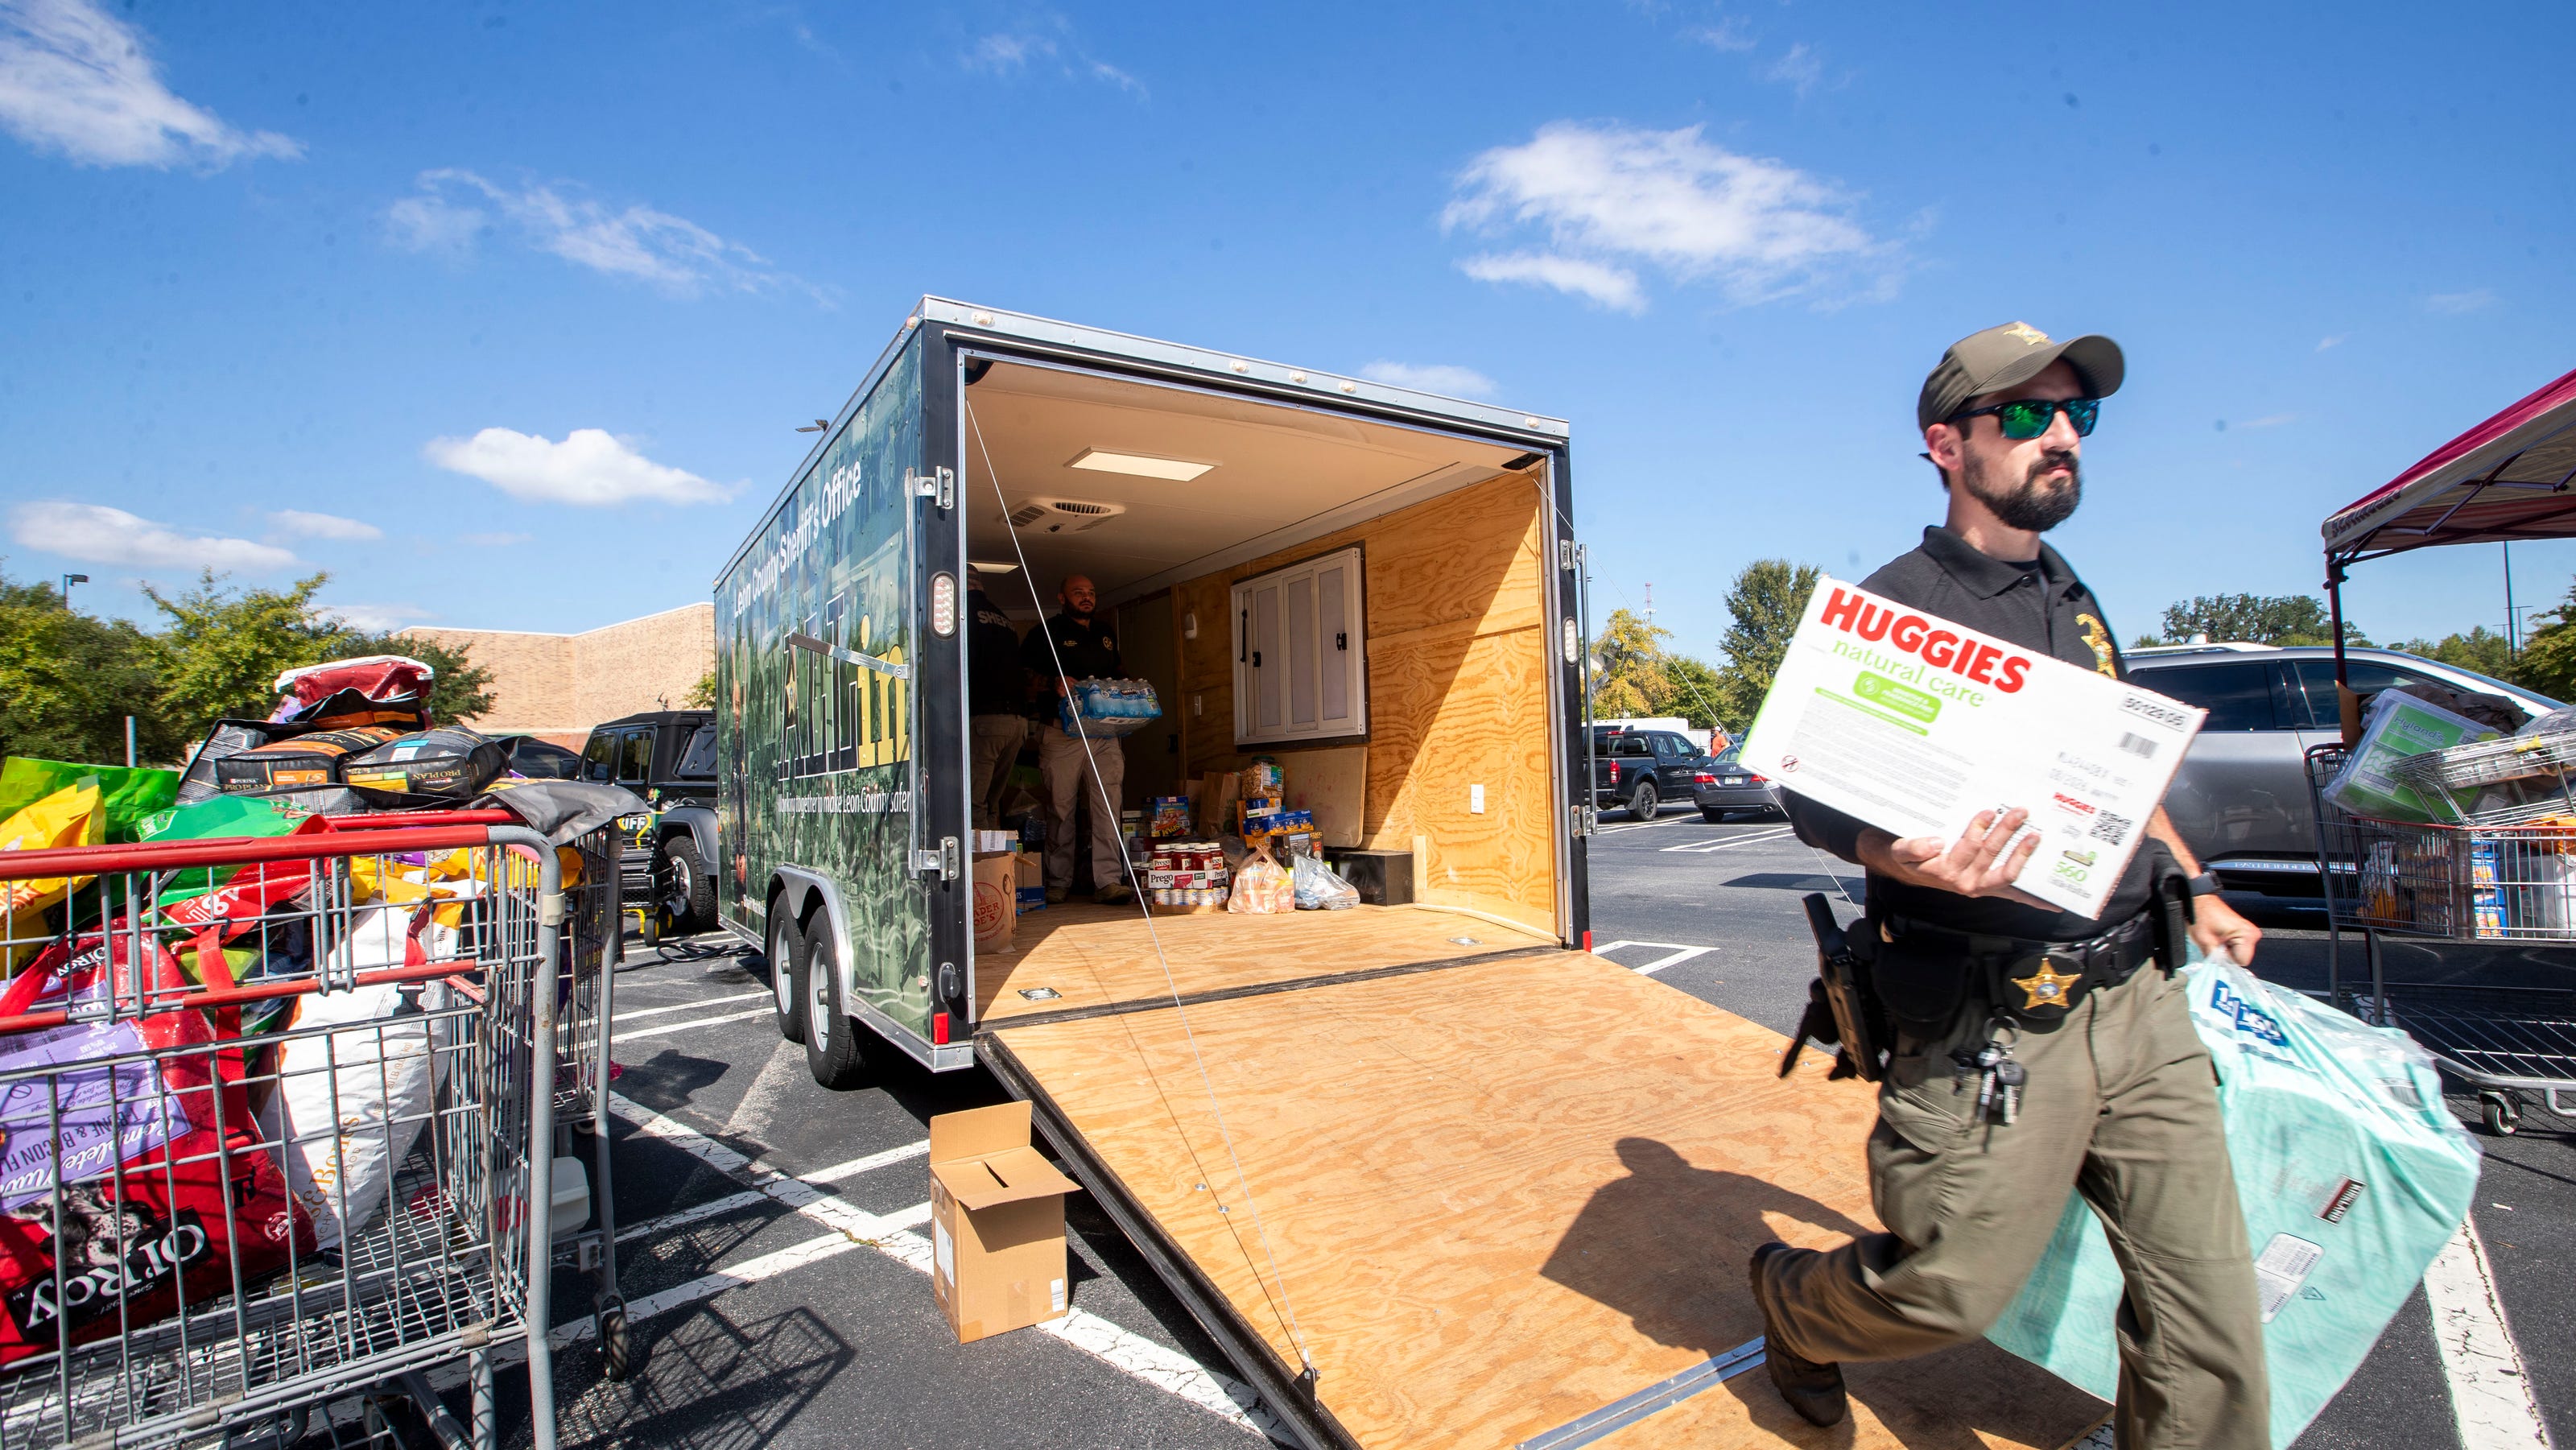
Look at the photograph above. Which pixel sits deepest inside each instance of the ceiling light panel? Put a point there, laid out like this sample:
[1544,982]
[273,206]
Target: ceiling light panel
[1138,465]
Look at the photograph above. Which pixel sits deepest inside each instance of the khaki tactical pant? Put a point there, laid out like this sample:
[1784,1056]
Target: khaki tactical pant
[1069,782]
[995,742]
[2121,1105]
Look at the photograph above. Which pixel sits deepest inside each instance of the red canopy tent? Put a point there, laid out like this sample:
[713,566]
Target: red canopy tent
[2511,477]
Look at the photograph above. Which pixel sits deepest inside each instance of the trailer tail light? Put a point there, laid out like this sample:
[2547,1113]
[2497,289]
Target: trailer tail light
[943,604]
[939,1028]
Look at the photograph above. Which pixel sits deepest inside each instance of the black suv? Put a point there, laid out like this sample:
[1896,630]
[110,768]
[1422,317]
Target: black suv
[1641,769]
[669,758]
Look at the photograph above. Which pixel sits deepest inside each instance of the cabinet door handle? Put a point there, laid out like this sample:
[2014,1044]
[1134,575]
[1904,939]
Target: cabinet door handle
[1242,635]
[1342,641]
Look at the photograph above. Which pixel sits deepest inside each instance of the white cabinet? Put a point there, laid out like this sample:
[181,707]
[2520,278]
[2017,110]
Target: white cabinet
[1300,658]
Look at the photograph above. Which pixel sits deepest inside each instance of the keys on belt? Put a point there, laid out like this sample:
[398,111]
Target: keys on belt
[1999,1080]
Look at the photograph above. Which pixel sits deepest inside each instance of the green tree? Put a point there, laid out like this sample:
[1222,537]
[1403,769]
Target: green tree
[2256,619]
[68,680]
[1691,690]
[702,695]
[2548,660]
[1628,664]
[1766,601]
[221,649]
[2481,649]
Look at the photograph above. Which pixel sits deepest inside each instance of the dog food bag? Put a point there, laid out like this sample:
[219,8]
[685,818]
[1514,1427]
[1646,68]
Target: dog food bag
[448,766]
[85,1248]
[125,794]
[313,759]
[68,817]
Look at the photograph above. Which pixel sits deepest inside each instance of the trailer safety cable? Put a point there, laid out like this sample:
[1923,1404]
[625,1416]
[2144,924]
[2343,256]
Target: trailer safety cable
[1286,1303]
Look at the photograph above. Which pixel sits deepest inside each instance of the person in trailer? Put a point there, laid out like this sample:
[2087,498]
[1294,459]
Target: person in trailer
[997,715]
[1077,644]
[2033,1048]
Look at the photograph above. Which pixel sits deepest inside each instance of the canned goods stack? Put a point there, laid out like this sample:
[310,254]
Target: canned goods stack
[1187,874]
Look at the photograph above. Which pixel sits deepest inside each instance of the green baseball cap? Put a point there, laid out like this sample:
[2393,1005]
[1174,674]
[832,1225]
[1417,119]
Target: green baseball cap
[2001,357]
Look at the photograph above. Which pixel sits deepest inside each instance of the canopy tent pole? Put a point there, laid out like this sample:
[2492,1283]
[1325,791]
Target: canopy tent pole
[2347,705]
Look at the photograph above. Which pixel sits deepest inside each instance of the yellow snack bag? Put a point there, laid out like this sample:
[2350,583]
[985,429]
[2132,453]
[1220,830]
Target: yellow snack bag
[68,817]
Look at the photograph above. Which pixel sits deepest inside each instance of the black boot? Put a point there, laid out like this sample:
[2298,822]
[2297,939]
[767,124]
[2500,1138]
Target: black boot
[1814,1390]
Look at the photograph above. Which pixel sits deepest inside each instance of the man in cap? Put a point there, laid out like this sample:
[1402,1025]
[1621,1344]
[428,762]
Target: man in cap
[2116,1096]
[1077,644]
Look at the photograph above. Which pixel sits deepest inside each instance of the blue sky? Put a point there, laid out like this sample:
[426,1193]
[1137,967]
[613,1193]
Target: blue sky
[505,314]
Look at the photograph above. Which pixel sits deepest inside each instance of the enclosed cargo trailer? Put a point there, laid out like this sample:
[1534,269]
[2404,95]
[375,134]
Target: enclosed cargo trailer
[1431,1173]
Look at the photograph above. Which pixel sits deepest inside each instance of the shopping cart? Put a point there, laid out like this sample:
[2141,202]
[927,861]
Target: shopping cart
[277,1129]
[2476,882]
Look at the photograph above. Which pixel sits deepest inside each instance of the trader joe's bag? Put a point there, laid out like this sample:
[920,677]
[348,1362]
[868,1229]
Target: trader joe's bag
[196,1193]
[2351,1173]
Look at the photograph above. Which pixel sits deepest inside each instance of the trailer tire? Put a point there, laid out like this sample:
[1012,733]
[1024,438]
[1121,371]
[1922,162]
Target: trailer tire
[1643,803]
[787,952]
[835,1043]
[690,882]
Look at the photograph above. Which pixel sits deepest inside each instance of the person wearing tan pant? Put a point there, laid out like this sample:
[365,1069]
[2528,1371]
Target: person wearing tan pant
[2037,1052]
[1077,644]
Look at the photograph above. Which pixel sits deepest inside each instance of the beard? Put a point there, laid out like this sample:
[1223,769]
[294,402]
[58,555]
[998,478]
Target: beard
[2032,504]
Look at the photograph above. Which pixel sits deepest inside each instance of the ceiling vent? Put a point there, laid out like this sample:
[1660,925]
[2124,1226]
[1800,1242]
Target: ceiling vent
[1064,515]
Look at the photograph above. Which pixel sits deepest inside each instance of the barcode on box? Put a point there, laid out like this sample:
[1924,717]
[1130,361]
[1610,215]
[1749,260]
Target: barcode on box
[2138,745]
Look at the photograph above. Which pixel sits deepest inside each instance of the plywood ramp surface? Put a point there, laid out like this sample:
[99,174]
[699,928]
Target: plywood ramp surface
[1504,1194]
[1093,956]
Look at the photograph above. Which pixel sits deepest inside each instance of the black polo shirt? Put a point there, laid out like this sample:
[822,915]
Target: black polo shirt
[2040,606]
[1088,648]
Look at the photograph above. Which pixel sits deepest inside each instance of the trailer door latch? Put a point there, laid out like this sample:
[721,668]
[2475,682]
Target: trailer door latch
[944,862]
[1569,554]
[938,483]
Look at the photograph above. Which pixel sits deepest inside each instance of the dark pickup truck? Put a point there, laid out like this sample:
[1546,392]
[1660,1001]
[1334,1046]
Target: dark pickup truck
[1640,770]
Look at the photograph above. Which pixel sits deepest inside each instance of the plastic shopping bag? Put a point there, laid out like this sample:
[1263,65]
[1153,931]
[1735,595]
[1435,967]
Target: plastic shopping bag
[1260,888]
[351,1100]
[1319,887]
[2351,1173]
[125,1156]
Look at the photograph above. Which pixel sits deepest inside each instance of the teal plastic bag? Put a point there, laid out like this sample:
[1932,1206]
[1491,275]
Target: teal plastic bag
[2351,1172]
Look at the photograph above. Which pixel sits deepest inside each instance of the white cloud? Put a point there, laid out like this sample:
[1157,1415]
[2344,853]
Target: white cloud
[589,467]
[1455,382]
[77,80]
[1103,70]
[1800,69]
[449,213]
[97,534]
[1007,54]
[1606,195]
[495,541]
[376,618]
[322,526]
[1610,286]
[1731,35]
[2453,304]
[2338,340]
[1048,42]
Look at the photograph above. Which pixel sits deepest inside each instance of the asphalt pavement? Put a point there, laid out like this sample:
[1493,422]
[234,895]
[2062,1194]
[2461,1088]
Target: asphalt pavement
[774,1236]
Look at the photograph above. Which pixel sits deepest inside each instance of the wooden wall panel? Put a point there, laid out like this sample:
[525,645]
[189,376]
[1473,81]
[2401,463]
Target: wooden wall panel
[1457,680]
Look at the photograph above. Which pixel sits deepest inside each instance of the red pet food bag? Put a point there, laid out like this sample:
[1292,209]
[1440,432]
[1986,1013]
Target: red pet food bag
[118,1188]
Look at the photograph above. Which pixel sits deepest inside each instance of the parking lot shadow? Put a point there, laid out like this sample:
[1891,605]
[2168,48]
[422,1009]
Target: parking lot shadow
[1799,881]
[706,1383]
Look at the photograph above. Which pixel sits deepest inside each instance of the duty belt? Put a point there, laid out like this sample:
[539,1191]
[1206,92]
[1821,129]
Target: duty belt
[2041,981]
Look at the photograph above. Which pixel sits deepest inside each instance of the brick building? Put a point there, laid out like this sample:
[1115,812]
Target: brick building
[559,685]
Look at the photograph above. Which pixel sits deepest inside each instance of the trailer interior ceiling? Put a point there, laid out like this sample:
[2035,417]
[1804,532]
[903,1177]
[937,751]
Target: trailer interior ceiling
[1445,754]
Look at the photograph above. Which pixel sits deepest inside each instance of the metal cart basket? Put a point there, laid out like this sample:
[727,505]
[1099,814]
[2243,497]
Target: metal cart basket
[278,1125]
[2473,882]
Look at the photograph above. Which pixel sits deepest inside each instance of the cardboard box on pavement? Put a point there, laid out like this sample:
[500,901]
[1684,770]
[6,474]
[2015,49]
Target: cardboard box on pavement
[997,900]
[996,1223]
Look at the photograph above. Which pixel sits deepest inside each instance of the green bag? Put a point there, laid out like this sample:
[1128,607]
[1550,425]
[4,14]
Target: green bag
[215,819]
[127,794]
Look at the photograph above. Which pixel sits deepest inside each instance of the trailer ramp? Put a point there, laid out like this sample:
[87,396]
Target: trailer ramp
[1502,1200]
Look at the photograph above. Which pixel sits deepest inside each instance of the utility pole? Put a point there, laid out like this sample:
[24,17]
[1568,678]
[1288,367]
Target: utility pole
[1650,605]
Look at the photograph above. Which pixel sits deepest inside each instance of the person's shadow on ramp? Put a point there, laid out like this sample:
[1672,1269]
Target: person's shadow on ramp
[1667,1246]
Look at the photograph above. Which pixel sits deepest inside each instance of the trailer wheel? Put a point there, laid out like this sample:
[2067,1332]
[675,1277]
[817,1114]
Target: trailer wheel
[833,1039]
[787,954]
[1644,805]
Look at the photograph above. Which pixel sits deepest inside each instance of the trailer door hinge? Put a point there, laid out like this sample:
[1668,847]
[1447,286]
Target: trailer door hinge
[944,862]
[939,483]
[1569,554]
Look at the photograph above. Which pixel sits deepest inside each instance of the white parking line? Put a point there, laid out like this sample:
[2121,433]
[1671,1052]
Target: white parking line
[1720,843]
[2491,1397]
[1165,1369]
[869,1164]
[1683,819]
[1676,954]
[689,1006]
[668,1027]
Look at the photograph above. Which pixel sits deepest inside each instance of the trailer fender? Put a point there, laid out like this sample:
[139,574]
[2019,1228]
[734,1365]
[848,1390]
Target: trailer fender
[800,892]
